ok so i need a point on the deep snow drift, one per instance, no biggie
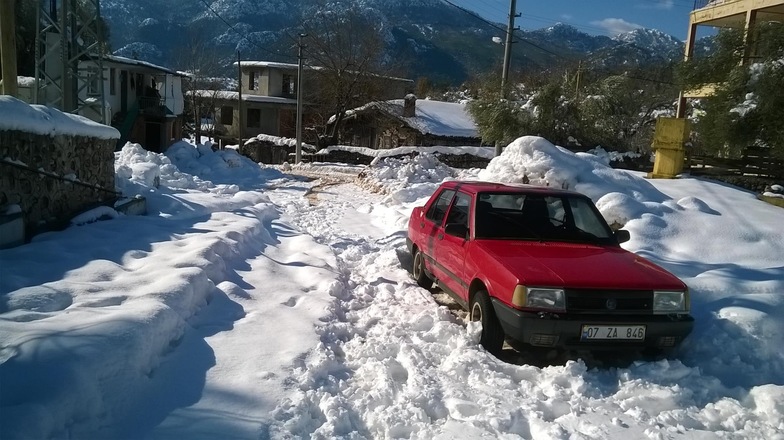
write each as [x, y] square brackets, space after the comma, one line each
[254, 304]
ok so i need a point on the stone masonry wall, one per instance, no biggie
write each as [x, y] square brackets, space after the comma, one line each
[54, 178]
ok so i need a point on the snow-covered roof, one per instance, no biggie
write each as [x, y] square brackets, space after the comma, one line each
[131, 62]
[273, 64]
[437, 118]
[289, 66]
[25, 81]
[39, 119]
[229, 95]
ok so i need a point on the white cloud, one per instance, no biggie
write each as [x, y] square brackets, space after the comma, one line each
[616, 25]
[657, 4]
[567, 16]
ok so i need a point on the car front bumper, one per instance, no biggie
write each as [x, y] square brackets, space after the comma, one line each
[563, 330]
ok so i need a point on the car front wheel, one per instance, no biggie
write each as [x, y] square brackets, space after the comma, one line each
[418, 271]
[492, 333]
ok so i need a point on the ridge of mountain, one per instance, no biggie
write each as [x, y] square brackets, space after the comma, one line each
[441, 42]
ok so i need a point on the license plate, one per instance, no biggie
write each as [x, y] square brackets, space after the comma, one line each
[613, 332]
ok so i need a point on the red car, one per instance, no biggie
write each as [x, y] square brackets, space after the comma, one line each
[541, 267]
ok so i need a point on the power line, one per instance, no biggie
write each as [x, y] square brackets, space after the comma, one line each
[493, 25]
[523, 40]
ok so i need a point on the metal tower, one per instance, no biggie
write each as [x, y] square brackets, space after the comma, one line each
[69, 57]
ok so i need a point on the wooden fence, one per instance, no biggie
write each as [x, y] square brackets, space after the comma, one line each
[755, 162]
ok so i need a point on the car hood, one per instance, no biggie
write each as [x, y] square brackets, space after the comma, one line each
[577, 265]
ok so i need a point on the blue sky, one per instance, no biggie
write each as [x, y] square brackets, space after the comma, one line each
[597, 17]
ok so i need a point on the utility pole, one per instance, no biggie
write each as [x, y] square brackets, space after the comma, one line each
[507, 58]
[298, 151]
[239, 101]
[8, 46]
[508, 45]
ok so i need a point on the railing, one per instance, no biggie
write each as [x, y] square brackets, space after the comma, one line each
[152, 105]
[146, 102]
[699, 4]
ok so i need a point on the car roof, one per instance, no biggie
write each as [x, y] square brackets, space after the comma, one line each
[476, 186]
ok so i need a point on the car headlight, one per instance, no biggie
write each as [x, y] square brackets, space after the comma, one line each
[665, 302]
[539, 298]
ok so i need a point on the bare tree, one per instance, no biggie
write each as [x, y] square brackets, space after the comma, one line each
[346, 51]
[202, 63]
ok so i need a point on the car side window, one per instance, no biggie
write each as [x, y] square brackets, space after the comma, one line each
[556, 211]
[586, 219]
[438, 209]
[459, 211]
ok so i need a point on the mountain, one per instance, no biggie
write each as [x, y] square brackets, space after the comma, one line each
[655, 41]
[437, 40]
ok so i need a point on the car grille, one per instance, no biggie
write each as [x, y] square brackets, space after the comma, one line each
[595, 301]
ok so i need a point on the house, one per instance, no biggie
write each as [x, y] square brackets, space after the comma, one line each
[409, 122]
[269, 98]
[142, 100]
[672, 134]
[145, 101]
[734, 14]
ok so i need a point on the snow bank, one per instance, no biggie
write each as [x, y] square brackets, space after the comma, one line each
[483, 152]
[534, 160]
[48, 121]
[406, 179]
[82, 342]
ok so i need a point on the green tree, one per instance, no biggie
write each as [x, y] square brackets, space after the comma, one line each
[619, 111]
[499, 119]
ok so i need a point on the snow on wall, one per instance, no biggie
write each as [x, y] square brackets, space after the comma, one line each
[39, 119]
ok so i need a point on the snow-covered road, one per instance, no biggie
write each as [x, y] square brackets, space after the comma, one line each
[271, 306]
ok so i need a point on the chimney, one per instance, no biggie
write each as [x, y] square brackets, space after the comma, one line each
[409, 106]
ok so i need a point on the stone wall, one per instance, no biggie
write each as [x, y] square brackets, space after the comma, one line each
[52, 178]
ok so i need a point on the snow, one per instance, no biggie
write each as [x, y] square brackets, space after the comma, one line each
[250, 97]
[250, 303]
[48, 121]
[483, 152]
[438, 118]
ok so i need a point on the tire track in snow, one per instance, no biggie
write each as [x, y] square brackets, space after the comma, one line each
[392, 363]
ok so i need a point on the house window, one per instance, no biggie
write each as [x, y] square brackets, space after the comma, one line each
[227, 115]
[253, 81]
[289, 85]
[254, 118]
[112, 82]
[93, 85]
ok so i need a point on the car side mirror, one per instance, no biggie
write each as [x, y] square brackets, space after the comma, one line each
[456, 230]
[622, 236]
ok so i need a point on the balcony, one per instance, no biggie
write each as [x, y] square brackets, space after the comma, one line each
[153, 106]
[733, 13]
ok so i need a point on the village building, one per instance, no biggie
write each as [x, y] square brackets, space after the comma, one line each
[269, 99]
[409, 122]
[143, 101]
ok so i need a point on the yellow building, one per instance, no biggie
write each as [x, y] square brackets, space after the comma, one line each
[672, 133]
[726, 14]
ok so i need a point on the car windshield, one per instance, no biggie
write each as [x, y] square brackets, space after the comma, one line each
[539, 217]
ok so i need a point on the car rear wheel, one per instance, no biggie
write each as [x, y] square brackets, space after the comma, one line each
[492, 334]
[418, 271]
